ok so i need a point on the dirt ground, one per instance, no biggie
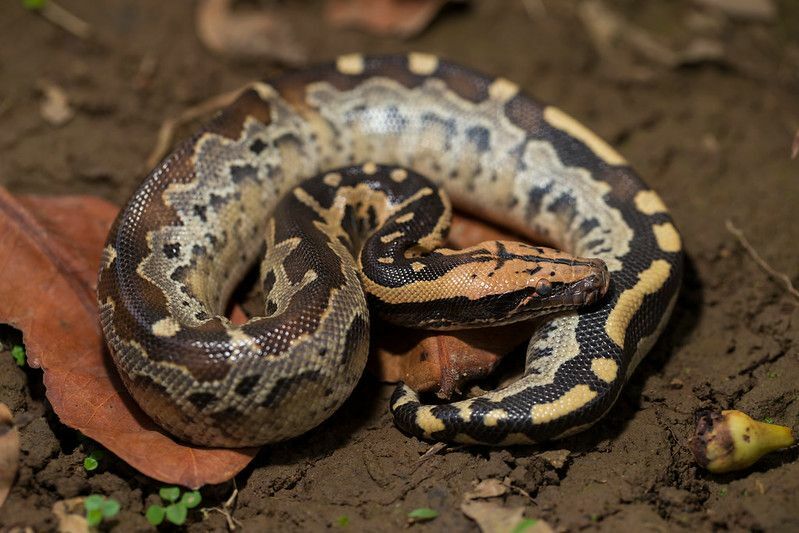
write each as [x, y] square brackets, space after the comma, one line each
[712, 136]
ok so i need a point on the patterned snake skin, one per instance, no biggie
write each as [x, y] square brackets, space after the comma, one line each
[363, 232]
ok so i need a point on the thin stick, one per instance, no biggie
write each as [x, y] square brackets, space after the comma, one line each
[771, 271]
[66, 20]
[167, 131]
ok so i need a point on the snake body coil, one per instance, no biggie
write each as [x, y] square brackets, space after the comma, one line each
[361, 231]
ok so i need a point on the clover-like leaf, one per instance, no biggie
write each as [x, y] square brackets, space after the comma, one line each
[191, 499]
[155, 514]
[170, 494]
[176, 513]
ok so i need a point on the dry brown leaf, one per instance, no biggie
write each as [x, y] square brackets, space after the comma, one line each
[69, 514]
[247, 34]
[9, 452]
[442, 363]
[488, 488]
[493, 517]
[399, 18]
[54, 245]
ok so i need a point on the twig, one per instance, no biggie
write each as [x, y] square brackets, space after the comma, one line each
[225, 509]
[65, 20]
[431, 451]
[775, 274]
[167, 131]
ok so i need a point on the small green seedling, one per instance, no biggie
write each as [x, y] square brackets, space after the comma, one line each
[33, 5]
[98, 508]
[18, 353]
[524, 525]
[768, 420]
[343, 521]
[92, 461]
[177, 508]
[422, 514]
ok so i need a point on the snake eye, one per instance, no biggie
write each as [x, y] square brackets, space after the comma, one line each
[543, 288]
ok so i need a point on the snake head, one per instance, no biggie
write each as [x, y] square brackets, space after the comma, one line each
[520, 281]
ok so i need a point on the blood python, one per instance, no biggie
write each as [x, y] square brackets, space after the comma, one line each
[321, 171]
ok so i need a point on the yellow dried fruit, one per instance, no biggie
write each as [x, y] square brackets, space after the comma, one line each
[731, 440]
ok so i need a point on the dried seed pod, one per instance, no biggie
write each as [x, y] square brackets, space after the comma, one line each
[732, 440]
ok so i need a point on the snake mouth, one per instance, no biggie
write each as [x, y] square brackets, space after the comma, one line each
[593, 287]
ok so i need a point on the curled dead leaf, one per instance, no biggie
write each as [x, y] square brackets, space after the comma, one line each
[9, 452]
[399, 18]
[54, 244]
[247, 33]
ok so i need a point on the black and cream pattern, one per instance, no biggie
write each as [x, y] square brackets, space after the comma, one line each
[201, 218]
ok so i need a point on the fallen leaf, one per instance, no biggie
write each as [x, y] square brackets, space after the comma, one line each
[488, 488]
[493, 517]
[54, 245]
[9, 452]
[55, 108]
[69, 514]
[247, 33]
[399, 18]
[442, 363]
[795, 147]
[556, 458]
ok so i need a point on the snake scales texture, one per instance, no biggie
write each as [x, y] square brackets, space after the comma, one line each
[200, 220]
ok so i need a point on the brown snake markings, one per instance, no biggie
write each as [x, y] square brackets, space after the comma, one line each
[202, 217]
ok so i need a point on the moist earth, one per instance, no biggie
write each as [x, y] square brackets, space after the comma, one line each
[712, 135]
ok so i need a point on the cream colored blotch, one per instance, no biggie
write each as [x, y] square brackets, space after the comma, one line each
[422, 64]
[649, 282]
[352, 64]
[166, 327]
[560, 120]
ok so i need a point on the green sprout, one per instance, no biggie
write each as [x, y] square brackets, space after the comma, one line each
[18, 353]
[98, 507]
[92, 461]
[33, 5]
[768, 420]
[524, 525]
[422, 514]
[177, 508]
[343, 521]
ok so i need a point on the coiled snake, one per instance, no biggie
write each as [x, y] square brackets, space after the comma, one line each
[202, 217]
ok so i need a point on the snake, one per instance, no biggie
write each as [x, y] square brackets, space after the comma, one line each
[341, 179]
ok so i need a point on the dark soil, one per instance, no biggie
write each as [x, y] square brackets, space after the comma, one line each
[713, 138]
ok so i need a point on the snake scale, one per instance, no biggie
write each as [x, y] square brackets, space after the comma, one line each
[341, 176]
